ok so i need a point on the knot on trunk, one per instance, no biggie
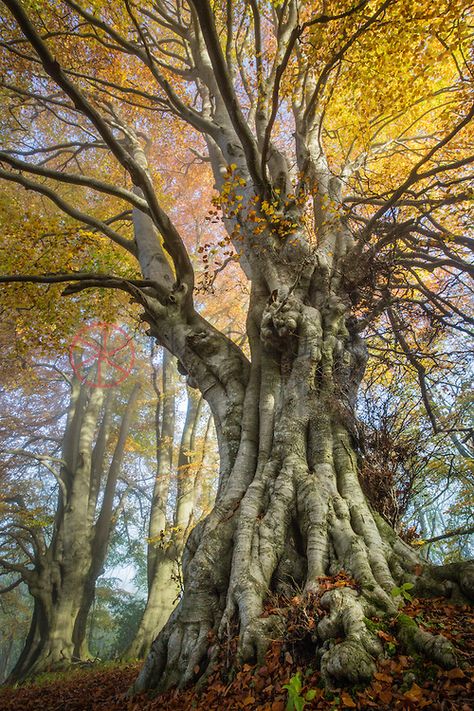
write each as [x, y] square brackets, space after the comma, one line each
[281, 319]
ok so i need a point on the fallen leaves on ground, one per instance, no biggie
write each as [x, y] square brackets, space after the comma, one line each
[400, 682]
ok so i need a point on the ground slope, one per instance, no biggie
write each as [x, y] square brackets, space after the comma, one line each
[401, 682]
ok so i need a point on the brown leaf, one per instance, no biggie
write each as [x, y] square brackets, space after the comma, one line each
[413, 694]
[386, 696]
[383, 677]
[278, 706]
[248, 700]
[455, 674]
[348, 701]
[384, 635]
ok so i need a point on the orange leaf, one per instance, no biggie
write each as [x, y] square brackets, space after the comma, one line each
[385, 696]
[248, 700]
[413, 694]
[348, 701]
[278, 706]
[384, 635]
[383, 677]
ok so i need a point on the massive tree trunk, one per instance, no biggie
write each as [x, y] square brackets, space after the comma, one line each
[291, 509]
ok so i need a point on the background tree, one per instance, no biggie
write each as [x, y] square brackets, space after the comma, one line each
[58, 550]
[339, 139]
[418, 480]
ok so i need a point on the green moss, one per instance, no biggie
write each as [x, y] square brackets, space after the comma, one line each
[407, 629]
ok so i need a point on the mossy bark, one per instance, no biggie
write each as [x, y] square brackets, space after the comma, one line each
[290, 508]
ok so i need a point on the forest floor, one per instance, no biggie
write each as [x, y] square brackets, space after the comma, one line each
[401, 682]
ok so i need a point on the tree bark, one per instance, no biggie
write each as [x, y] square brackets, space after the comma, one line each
[162, 592]
[166, 544]
[291, 509]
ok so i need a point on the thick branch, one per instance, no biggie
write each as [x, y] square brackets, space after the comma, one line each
[224, 82]
[171, 236]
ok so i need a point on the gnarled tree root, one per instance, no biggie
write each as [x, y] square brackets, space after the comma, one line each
[293, 526]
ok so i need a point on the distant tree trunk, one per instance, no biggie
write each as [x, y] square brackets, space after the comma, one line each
[63, 577]
[102, 528]
[6, 654]
[166, 541]
[161, 592]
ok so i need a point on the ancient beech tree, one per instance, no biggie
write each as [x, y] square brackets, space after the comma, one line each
[338, 138]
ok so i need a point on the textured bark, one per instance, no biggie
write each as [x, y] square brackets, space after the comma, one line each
[291, 509]
[161, 594]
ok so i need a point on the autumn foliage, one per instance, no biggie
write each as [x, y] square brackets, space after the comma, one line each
[320, 153]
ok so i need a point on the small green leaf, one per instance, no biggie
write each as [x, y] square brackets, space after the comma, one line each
[299, 703]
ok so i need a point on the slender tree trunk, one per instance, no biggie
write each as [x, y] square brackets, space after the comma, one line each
[161, 591]
[6, 655]
[165, 558]
[102, 528]
[291, 509]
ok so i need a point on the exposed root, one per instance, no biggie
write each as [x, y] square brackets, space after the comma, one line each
[435, 647]
[462, 574]
[351, 660]
[346, 662]
[296, 523]
[255, 639]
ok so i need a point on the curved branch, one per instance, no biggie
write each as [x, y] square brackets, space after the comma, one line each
[449, 534]
[171, 237]
[86, 280]
[209, 32]
[73, 212]
[414, 175]
[10, 587]
[419, 367]
[72, 179]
